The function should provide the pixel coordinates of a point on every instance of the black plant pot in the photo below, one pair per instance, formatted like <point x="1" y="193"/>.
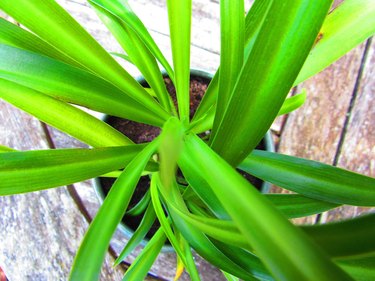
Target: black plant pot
<point x="102" y="185"/>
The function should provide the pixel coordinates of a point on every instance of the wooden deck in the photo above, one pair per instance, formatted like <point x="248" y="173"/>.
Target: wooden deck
<point x="41" y="232"/>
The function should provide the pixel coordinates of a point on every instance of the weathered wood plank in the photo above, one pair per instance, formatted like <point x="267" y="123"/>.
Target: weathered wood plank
<point x="201" y="57"/>
<point x="358" y="148"/>
<point x="314" y="130"/>
<point x="40" y="230"/>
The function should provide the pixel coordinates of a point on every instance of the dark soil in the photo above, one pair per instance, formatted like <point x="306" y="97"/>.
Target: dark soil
<point x="141" y="133"/>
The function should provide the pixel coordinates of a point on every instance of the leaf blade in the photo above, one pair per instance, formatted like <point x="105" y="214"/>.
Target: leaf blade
<point x="65" y="34"/>
<point x="88" y="261"/>
<point x="63" y="116"/>
<point x="232" y="25"/>
<point x="264" y="81"/>
<point x="70" y="84"/>
<point x="312" y="179"/>
<point x="295" y="258"/>
<point x="351" y="23"/>
<point x="179" y="14"/>
<point x="27" y="171"/>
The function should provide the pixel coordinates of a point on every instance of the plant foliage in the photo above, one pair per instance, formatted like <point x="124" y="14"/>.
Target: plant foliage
<point x="53" y="64"/>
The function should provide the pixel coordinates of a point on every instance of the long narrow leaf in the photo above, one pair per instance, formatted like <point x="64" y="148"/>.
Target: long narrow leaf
<point x="351" y="23"/>
<point x="185" y="259"/>
<point x="70" y="84"/>
<point x="88" y="261"/>
<point x="208" y="250"/>
<point x="63" y="116"/>
<point x="245" y="259"/>
<point x="65" y="34"/>
<point x="142" y="264"/>
<point x="140" y="233"/>
<point x="179" y="14"/>
<point x="6" y="149"/>
<point x="279" y="52"/>
<point x="253" y="22"/>
<point x="311" y="178"/>
<point x="288" y="253"/>
<point x="292" y="103"/>
<point x="206" y="122"/>
<point x="232" y="25"/>
<point x="141" y="206"/>
<point x="361" y="269"/>
<point x="139" y="54"/>
<point x="296" y="205"/>
<point x="164" y="221"/>
<point x="123" y="11"/>
<point x="26" y="171"/>
<point x="346" y="238"/>
<point x="13" y="35"/>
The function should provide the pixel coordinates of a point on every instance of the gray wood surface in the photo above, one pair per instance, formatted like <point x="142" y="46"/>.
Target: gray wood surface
<point x="41" y="231"/>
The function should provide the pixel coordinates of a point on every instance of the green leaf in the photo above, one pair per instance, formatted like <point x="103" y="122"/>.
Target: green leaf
<point x="312" y="179"/>
<point x="66" y="35"/>
<point x="221" y="230"/>
<point x="141" y="206"/>
<point x="140" y="233"/>
<point x="139" y="54"/>
<point x="200" y="186"/>
<point x="280" y="49"/>
<point x="70" y="84"/>
<point x="345" y="238"/>
<point x="13" y="35"/>
<point x="292" y="103"/>
<point x="245" y="259"/>
<point x="179" y="14"/>
<point x="142" y="264"/>
<point x="296" y="205"/>
<point x="164" y="221"/>
<point x="62" y="116"/>
<point x="122" y="10"/>
<point x="206" y="122"/>
<point x="207" y="249"/>
<point x="232" y="27"/>
<point x="230" y="277"/>
<point x="284" y="249"/>
<point x="168" y="189"/>
<point x="123" y="56"/>
<point x="6" y="149"/>
<point x="361" y="269"/>
<point x="351" y="23"/>
<point x="27" y="171"/>
<point x="191" y="266"/>
<point x="253" y="22"/>
<point x="169" y="150"/>
<point x="91" y="253"/>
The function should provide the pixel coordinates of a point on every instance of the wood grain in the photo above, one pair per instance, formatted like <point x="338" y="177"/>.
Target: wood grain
<point x="358" y="144"/>
<point x="42" y="230"/>
<point x="314" y="130"/>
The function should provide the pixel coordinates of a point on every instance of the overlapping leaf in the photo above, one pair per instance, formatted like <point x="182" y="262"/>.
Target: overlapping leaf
<point x="90" y="256"/>
<point x="122" y="11"/>
<point x="295" y="258"/>
<point x="179" y="14"/>
<point x="139" y="54"/>
<point x="268" y="74"/>
<point x="74" y="86"/>
<point x="62" y="116"/>
<point x="311" y="178"/>
<point x="65" y="34"/>
<point x="27" y="171"/>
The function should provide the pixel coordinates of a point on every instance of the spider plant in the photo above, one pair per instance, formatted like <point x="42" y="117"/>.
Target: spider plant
<point x="55" y="64"/>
